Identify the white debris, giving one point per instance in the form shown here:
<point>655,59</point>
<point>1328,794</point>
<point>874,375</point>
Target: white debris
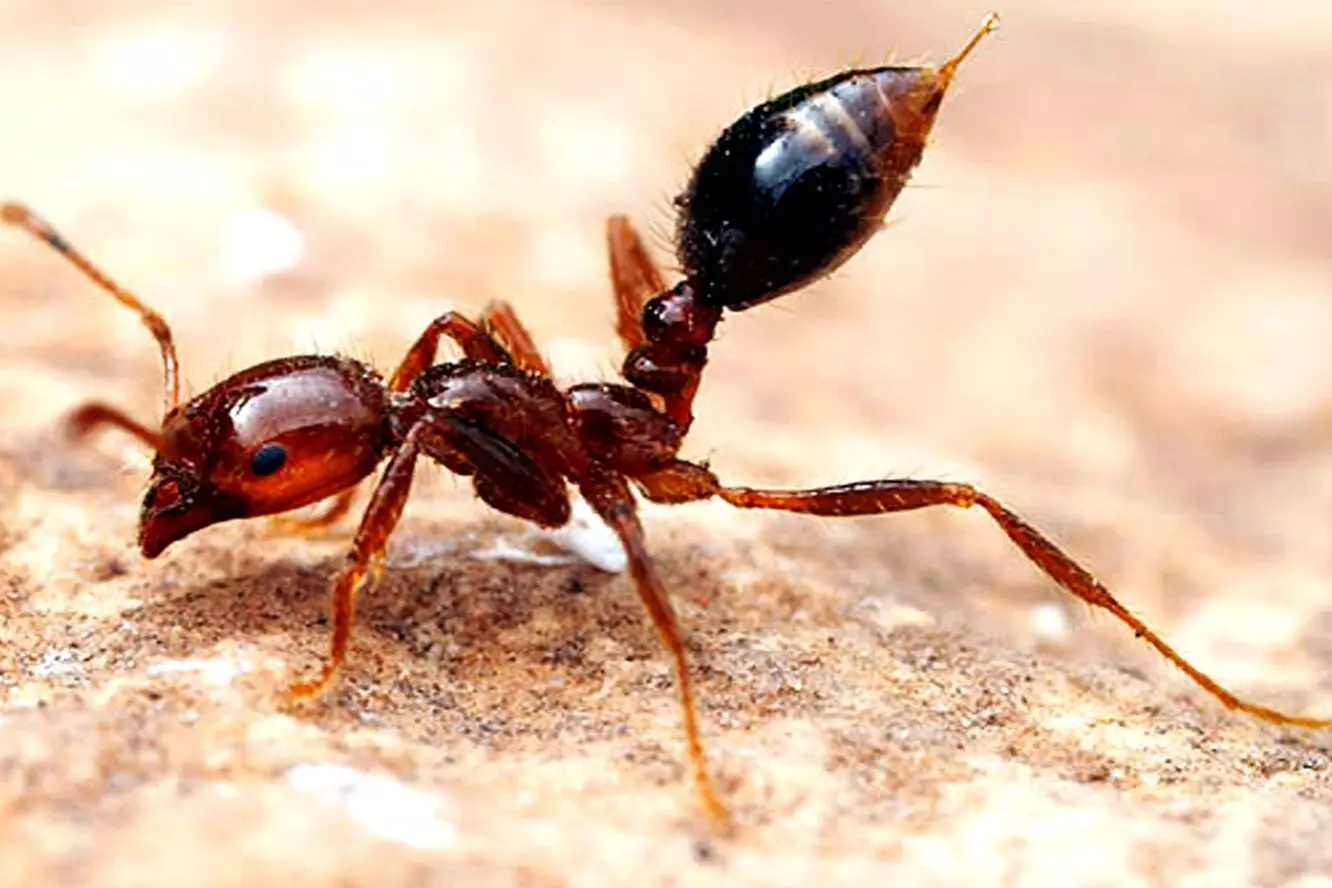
<point>385,807</point>
<point>585,537</point>
<point>588,537</point>
<point>57,661</point>
<point>413,551</point>
<point>503,550</point>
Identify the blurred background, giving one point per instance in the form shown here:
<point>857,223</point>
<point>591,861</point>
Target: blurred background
<point>1106,297</point>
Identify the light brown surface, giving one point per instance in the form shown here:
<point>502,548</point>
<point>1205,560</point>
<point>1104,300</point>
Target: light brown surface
<point>1108,305</point>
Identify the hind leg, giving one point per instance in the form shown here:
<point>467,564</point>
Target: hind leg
<point>685,482</point>
<point>634,276</point>
<point>665,332</point>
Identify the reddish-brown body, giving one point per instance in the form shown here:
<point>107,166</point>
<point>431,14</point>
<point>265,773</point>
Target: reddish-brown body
<point>784,196</point>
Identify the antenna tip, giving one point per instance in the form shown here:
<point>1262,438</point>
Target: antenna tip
<point>13,213</point>
<point>20,216</point>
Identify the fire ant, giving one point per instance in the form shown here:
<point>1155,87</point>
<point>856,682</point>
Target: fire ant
<point>784,196</point>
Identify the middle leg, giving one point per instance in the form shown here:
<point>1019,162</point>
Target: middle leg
<point>613,501</point>
<point>502,323</point>
<point>475,342</point>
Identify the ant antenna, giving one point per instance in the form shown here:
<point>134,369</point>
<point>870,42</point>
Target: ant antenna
<point>990,25</point>
<point>20,216</point>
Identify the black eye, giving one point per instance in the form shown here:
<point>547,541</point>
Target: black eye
<point>268,459</point>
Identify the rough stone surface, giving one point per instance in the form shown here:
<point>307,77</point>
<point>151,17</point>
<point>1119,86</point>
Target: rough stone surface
<point>1107,303</point>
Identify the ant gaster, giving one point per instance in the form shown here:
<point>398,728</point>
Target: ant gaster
<point>785,195</point>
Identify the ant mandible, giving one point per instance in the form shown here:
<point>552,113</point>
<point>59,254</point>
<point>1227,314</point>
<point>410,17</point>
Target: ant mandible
<point>784,196</point>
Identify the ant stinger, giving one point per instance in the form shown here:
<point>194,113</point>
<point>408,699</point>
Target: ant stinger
<point>784,196</point>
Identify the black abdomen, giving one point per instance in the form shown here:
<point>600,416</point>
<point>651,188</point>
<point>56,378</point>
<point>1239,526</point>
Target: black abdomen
<point>795,186</point>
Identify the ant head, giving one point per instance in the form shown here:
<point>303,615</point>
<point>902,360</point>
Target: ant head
<point>276,437</point>
<point>180,497</point>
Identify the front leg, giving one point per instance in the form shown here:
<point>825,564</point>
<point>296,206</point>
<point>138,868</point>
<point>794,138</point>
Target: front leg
<point>377,524</point>
<point>635,279</point>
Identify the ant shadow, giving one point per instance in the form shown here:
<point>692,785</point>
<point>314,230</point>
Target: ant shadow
<point>425,630</point>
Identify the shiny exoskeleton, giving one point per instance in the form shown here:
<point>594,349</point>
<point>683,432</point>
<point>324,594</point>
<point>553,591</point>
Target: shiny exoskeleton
<point>784,196</point>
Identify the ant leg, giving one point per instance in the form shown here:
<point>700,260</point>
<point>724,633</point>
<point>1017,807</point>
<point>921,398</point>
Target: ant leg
<point>476,344</point>
<point>380,517</point>
<point>611,498</point>
<point>84,420</point>
<point>339,505</point>
<point>680,482</point>
<point>635,278</point>
<point>900,495</point>
<point>501,322</point>
<point>687,482</point>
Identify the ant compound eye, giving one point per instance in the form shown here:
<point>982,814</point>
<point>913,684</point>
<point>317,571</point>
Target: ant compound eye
<point>268,459</point>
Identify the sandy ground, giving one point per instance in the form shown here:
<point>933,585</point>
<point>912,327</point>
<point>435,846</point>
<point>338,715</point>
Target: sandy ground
<point>1107,302</point>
